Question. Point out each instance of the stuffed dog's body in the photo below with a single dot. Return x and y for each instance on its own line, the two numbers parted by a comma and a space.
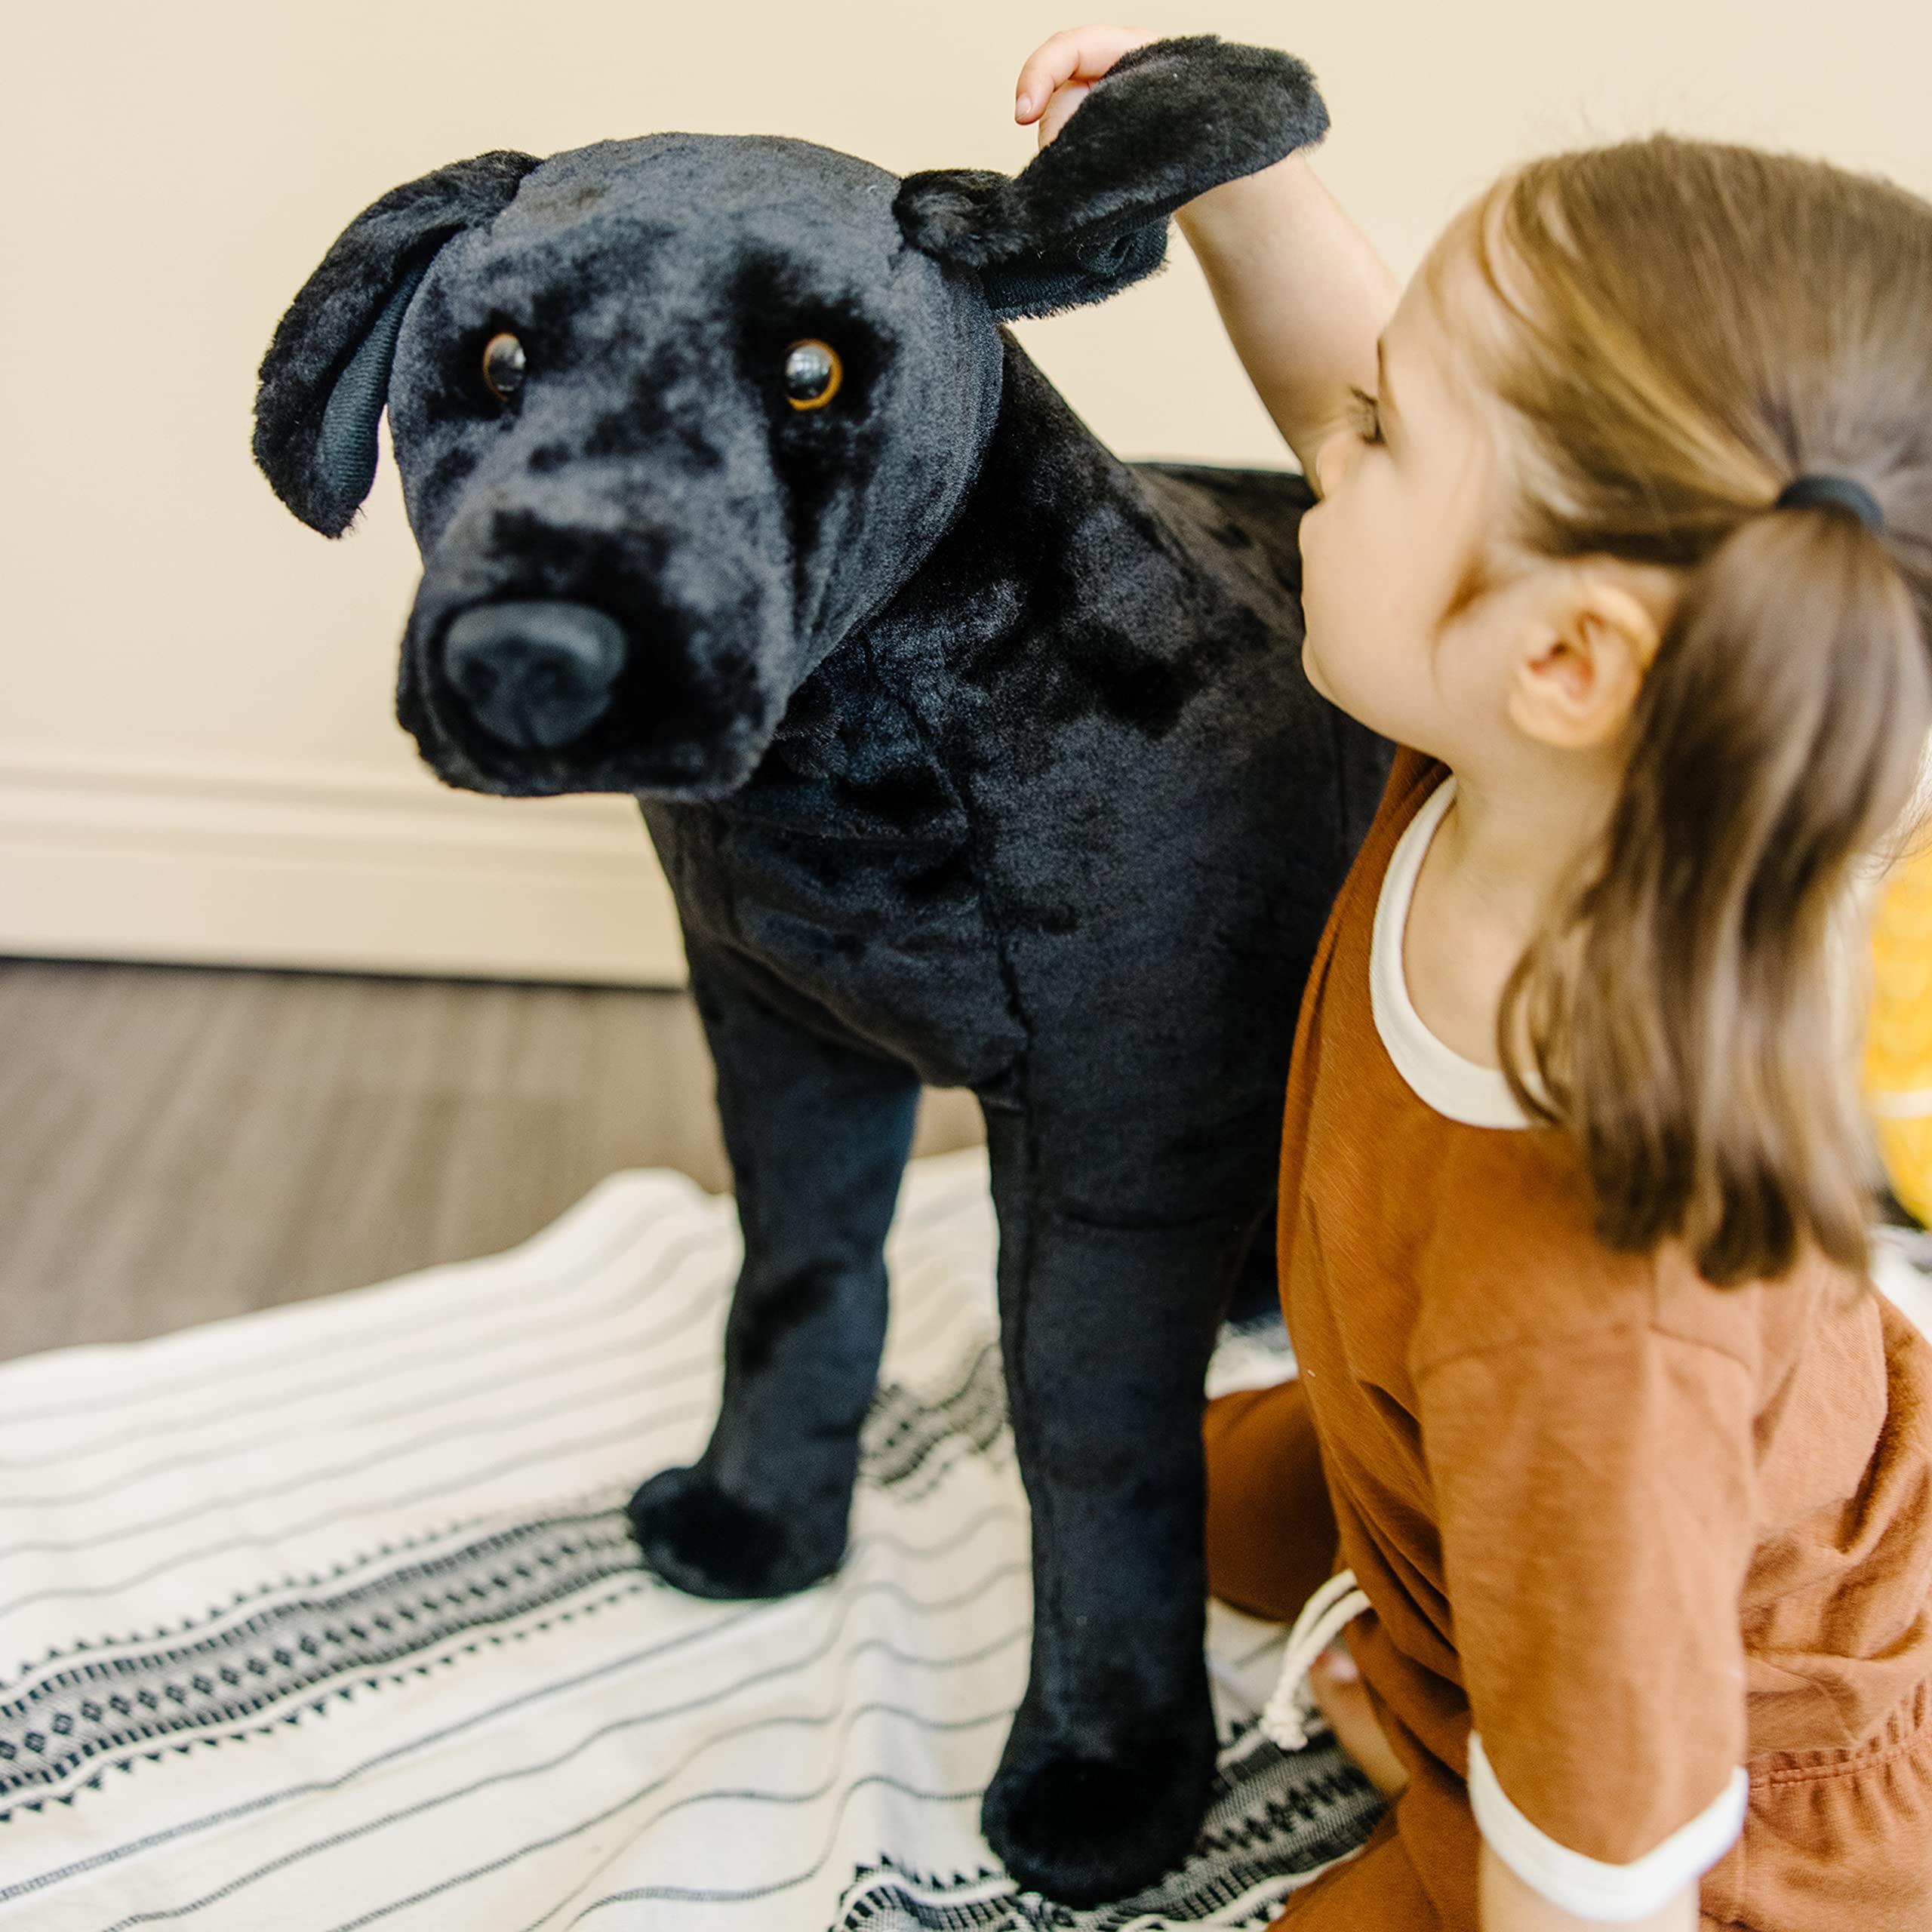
973, 755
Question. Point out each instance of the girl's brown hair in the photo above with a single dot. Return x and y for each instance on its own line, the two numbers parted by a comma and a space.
1685, 327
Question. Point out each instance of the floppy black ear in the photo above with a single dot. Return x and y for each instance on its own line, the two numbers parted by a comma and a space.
327, 373
1089, 214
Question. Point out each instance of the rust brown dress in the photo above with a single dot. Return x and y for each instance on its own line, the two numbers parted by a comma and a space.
1650, 1561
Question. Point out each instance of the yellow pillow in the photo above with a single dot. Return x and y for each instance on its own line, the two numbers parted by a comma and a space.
1898, 1049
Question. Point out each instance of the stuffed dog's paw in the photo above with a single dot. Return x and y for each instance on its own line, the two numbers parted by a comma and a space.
711, 1544
1085, 1825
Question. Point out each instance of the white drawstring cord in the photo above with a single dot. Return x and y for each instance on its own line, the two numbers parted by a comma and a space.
1338, 1603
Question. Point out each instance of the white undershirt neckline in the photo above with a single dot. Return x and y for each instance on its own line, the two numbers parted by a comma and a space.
1438, 1076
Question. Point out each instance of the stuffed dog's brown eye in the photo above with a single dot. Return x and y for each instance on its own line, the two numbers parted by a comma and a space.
813, 373
502, 366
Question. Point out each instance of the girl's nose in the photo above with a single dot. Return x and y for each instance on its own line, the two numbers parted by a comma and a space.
1331, 462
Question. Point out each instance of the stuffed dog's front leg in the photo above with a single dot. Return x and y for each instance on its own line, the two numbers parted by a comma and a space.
818, 1134
1107, 1329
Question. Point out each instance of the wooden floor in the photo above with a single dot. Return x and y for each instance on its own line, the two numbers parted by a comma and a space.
177, 1145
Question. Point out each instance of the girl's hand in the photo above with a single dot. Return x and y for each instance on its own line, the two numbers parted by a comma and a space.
1303, 294
1344, 1702
1059, 73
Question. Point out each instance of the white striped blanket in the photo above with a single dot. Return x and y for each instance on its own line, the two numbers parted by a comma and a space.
326, 1618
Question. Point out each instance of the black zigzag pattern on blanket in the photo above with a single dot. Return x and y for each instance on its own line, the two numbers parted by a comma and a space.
118, 1699
1275, 1816
286, 1651
911, 1440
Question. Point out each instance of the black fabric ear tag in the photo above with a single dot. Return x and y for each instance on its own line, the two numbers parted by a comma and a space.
1093, 273
959, 215
346, 451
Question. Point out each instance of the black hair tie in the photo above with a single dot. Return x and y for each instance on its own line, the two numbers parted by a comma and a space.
1839, 492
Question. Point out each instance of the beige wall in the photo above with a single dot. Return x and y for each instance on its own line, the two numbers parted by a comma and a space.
197, 756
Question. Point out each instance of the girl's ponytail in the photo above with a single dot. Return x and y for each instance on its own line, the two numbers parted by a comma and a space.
1677, 1016
1680, 329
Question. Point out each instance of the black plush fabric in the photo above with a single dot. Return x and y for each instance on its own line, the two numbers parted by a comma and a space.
973, 755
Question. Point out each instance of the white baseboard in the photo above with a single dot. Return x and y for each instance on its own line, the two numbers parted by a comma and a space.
220, 861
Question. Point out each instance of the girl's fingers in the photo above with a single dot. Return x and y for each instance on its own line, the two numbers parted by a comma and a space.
1080, 54
1060, 109
1345, 1702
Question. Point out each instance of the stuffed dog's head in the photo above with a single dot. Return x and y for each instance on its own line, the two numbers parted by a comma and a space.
674, 415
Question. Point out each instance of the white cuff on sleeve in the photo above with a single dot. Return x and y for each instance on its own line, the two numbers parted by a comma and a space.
1590, 1888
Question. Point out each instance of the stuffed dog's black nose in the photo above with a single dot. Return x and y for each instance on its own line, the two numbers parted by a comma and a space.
534, 675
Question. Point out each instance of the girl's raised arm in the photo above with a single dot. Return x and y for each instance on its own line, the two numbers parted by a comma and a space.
1303, 294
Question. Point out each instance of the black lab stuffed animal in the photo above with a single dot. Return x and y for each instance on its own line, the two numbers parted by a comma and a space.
973, 755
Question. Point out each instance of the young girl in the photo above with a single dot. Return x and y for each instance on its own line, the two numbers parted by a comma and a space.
1626, 535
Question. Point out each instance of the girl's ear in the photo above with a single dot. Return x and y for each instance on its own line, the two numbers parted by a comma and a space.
326, 376
1088, 215
1576, 679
